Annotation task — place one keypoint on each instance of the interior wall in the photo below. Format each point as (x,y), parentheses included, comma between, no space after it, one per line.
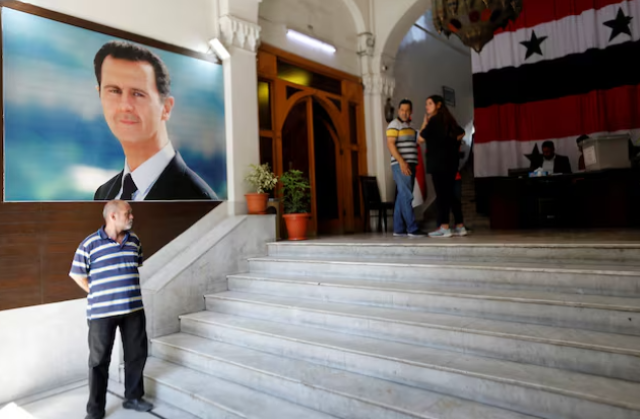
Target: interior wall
(190,25)
(327,20)
(424,64)
(52,354)
(37,243)
(390,22)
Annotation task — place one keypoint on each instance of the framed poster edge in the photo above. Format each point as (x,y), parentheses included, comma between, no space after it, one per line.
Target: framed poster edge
(84,24)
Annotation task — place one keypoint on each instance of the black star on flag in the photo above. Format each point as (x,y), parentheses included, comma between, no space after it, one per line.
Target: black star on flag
(535,157)
(619,25)
(533,45)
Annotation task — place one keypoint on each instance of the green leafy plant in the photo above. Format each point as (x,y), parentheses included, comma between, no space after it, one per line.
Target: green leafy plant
(262,178)
(295,192)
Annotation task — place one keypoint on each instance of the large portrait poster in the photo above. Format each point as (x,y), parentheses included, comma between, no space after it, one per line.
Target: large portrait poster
(135,137)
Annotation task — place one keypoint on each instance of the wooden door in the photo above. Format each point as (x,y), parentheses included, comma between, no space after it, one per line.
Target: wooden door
(310,143)
(328,172)
(312,119)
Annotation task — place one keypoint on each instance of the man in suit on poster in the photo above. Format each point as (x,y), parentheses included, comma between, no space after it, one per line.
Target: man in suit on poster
(134,89)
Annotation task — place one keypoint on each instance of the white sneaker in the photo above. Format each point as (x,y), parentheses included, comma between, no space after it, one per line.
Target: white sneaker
(460,231)
(441,233)
(399,235)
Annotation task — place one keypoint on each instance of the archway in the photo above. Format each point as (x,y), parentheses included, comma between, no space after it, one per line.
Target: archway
(311,144)
(423,63)
(392,29)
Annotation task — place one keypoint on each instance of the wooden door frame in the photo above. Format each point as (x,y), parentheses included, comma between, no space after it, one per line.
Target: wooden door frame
(340,168)
(308,94)
(351,94)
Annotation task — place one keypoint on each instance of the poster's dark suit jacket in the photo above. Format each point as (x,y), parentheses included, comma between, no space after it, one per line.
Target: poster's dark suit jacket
(176,182)
(560,165)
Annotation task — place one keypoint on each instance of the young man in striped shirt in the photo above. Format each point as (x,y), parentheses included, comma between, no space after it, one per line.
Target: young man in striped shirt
(402,143)
(106,267)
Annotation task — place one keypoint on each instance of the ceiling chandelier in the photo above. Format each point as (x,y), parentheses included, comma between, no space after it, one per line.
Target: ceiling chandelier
(474,21)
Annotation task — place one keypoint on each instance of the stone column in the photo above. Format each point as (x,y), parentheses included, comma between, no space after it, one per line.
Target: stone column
(378,88)
(241,37)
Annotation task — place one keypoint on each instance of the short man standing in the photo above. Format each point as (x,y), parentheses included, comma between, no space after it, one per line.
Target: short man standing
(402,143)
(106,267)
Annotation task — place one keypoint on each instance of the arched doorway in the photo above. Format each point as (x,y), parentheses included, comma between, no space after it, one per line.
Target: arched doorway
(312,120)
(310,143)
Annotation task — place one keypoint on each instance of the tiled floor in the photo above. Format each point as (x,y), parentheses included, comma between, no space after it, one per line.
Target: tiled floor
(561,237)
(69,405)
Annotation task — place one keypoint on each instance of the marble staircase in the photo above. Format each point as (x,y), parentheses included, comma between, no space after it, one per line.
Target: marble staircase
(413,329)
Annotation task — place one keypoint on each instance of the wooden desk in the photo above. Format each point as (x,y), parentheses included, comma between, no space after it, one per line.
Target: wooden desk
(602,199)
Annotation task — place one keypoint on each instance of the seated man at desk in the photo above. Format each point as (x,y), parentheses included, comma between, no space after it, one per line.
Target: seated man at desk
(551,162)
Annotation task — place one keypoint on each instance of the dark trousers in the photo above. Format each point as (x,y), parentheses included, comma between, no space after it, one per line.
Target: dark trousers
(102,333)
(446,198)
(456,202)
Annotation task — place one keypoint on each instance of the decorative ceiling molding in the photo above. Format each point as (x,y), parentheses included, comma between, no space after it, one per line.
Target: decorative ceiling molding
(240,33)
(379,84)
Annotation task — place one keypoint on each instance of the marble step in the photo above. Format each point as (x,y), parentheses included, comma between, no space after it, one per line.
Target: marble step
(208,397)
(620,279)
(591,312)
(336,392)
(527,389)
(160,408)
(609,355)
(457,249)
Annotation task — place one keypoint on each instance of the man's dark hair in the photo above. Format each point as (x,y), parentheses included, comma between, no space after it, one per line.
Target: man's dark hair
(582,138)
(405,102)
(549,144)
(129,51)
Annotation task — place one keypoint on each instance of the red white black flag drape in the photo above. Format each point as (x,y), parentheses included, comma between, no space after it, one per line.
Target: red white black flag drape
(562,69)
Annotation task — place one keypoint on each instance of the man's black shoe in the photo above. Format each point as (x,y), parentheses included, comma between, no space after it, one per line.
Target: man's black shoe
(139,405)
(94,416)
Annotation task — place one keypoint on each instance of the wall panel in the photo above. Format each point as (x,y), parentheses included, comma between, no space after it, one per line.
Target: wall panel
(37,242)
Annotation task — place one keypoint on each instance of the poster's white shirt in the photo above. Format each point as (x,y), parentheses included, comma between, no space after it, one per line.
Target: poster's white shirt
(146,175)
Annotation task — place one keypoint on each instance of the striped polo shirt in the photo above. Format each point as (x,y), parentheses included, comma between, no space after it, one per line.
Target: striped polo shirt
(112,269)
(406,141)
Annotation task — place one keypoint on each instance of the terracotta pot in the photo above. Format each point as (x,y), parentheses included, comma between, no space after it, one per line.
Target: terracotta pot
(297,225)
(257,202)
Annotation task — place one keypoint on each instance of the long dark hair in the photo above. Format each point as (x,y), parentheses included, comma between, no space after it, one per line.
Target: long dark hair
(450,123)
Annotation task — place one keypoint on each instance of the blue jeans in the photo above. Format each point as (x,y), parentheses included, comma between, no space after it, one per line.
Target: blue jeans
(403,219)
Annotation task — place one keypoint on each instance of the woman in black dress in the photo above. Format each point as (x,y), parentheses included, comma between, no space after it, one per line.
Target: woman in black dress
(442,134)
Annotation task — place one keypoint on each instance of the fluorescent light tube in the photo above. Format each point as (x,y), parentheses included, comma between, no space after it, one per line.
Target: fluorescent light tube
(312,42)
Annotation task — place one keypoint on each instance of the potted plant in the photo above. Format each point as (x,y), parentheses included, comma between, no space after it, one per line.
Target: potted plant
(262,179)
(296,196)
